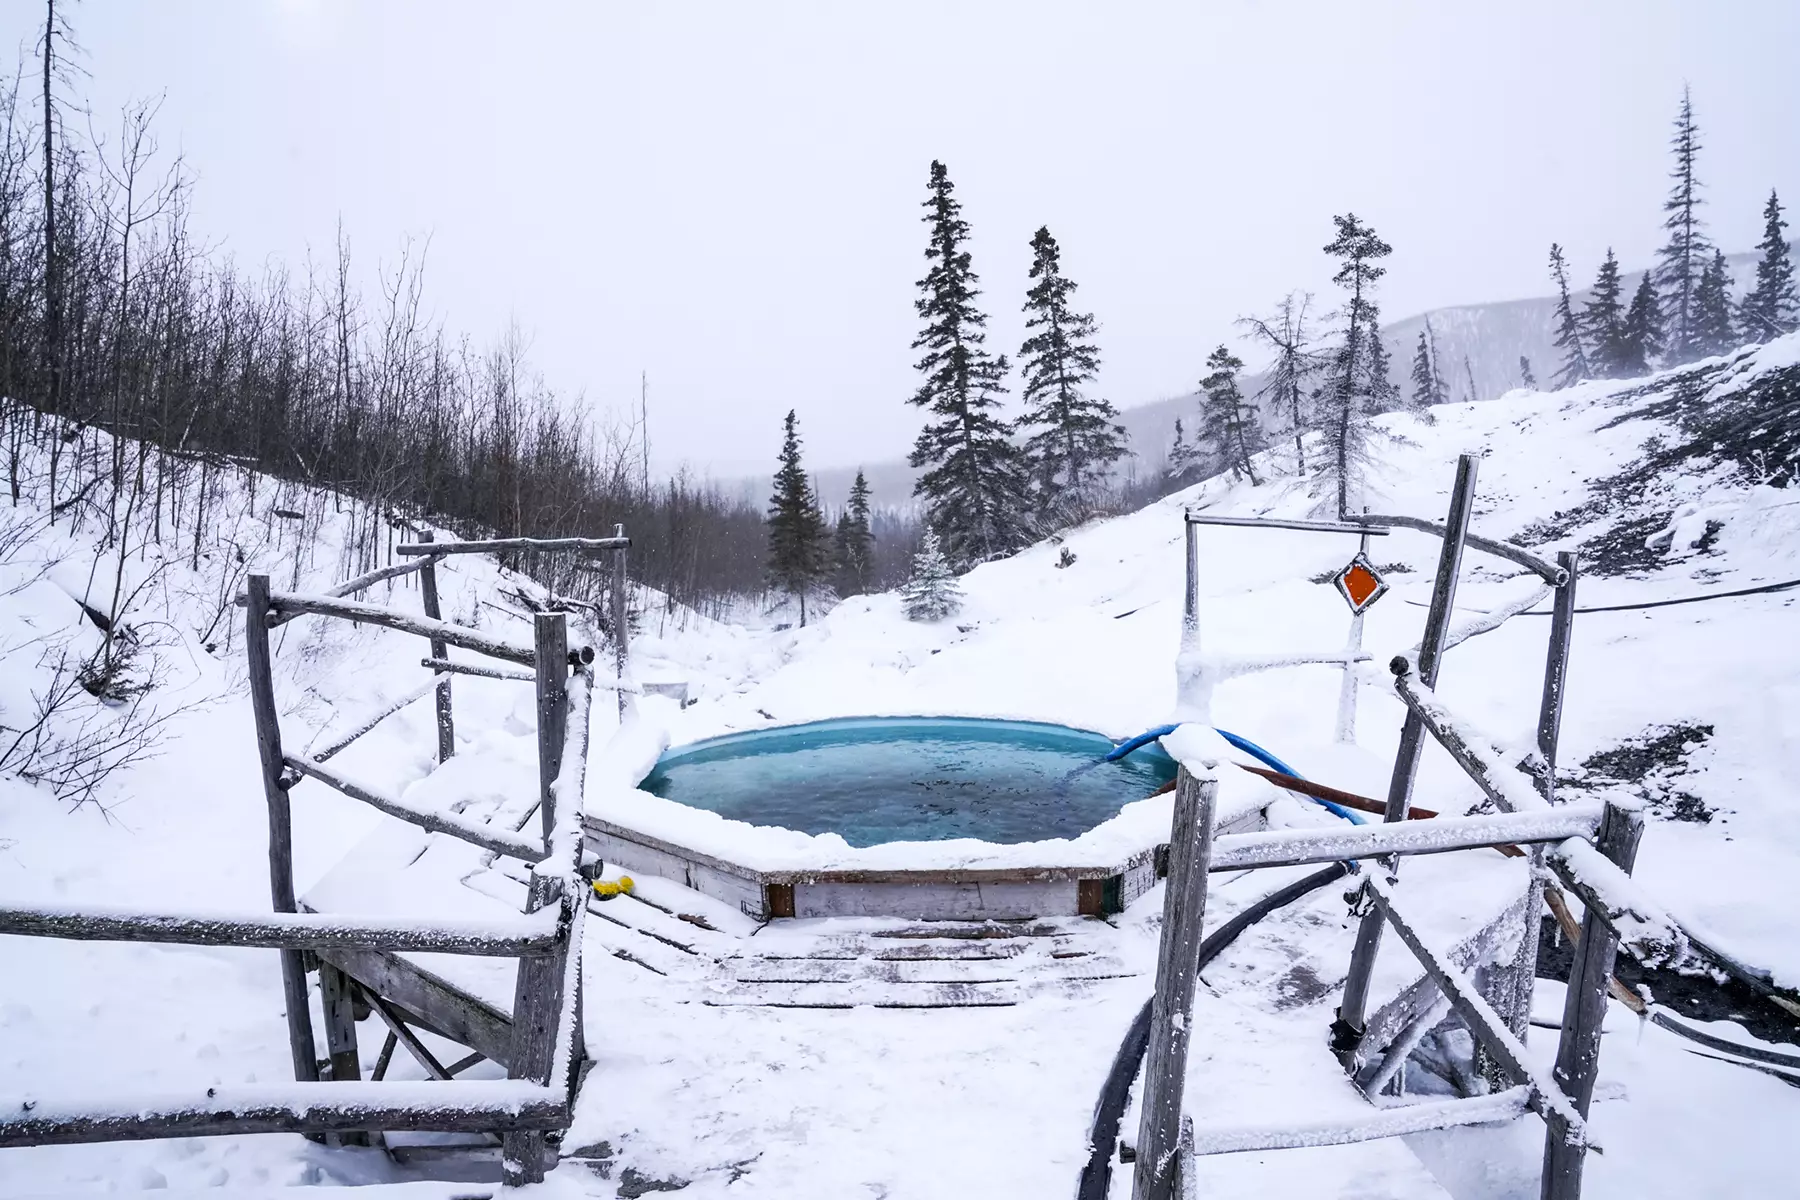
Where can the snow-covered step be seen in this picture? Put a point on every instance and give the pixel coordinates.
(876, 994)
(837, 970)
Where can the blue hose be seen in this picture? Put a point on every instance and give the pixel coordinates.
(1248, 747)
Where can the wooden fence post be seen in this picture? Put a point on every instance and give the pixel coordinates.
(1190, 591)
(1177, 969)
(621, 618)
(446, 728)
(552, 707)
(537, 999)
(1584, 1009)
(1352, 1013)
(281, 834)
(1523, 969)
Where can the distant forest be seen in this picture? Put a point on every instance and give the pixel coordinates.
(115, 316)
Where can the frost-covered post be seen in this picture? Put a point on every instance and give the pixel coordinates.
(621, 618)
(281, 833)
(1177, 969)
(534, 1002)
(552, 708)
(1346, 710)
(1556, 673)
(446, 729)
(1584, 1008)
(1348, 1029)
(1190, 592)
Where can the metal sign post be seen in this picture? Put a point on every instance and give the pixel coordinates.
(1361, 585)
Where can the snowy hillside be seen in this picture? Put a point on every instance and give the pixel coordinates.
(1668, 486)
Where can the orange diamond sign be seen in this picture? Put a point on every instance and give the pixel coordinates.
(1360, 584)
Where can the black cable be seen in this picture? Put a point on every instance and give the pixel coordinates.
(1096, 1176)
(1600, 608)
(1790, 1061)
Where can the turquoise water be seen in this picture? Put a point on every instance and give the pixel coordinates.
(888, 779)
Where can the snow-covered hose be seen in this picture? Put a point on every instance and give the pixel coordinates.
(1248, 747)
(1109, 1111)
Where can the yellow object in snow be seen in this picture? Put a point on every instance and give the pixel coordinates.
(606, 889)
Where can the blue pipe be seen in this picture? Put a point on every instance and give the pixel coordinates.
(1248, 747)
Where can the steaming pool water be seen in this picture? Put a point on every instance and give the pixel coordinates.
(888, 779)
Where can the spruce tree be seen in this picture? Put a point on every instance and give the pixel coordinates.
(975, 484)
(1427, 383)
(931, 593)
(1684, 258)
(1642, 344)
(854, 544)
(1527, 380)
(1575, 367)
(1287, 336)
(1226, 422)
(1603, 320)
(1384, 393)
(1772, 307)
(1714, 332)
(1353, 386)
(1077, 439)
(1184, 458)
(796, 559)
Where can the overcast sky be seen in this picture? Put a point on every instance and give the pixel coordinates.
(727, 195)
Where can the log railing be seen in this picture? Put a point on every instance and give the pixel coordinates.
(546, 939)
(1167, 1144)
(1590, 846)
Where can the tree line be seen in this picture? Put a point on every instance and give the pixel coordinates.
(1682, 308)
(115, 317)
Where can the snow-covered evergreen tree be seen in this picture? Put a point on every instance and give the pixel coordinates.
(1427, 383)
(1076, 439)
(1603, 320)
(1684, 258)
(1384, 393)
(854, 544)
(975, 485)
(1714, 332)
(1184, 459)
(1575, 366)
(1226, 423)
(1642, 343)
(797, 562)
(1527, 379)
(932, 592)
(1353, 386)
(1286, 335)
(1772, 307)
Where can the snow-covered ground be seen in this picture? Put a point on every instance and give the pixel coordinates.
(753, 1101)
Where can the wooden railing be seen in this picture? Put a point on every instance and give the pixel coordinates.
(1553, 836)
(546, 939)
(1561, 1096)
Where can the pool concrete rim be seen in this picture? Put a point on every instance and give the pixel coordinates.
(1063, 881)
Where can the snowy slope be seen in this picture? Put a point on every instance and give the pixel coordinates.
(1091, 645)
(749, 1101)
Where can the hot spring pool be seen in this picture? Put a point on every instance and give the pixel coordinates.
(890, 779)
